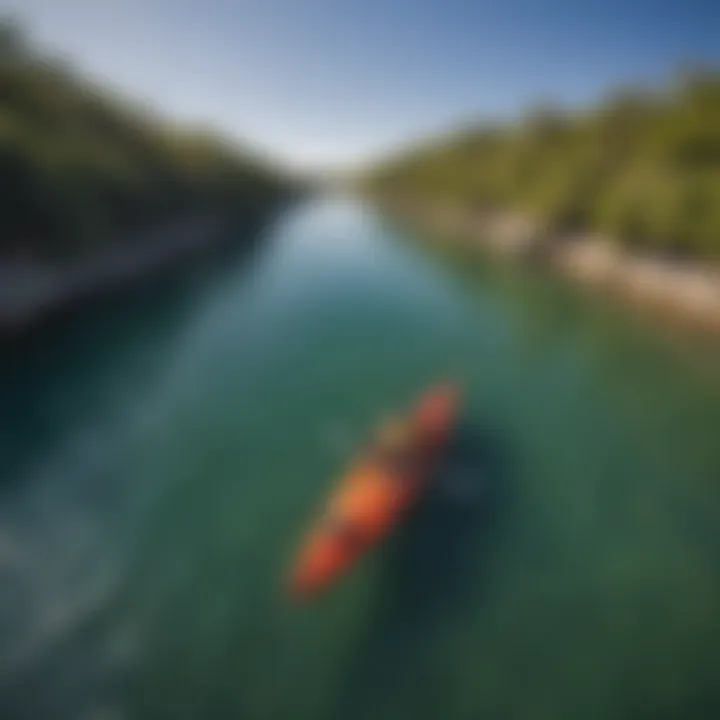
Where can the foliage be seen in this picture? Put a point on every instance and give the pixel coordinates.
(79, 167)
(642, 166)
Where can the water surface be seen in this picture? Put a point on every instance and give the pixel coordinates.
(163, 456)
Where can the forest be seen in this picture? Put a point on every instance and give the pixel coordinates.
(82, 168)
(642, 167)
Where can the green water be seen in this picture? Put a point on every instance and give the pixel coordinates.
(162, 458)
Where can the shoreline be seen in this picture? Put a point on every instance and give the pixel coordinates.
(689, 290)
(34, 293)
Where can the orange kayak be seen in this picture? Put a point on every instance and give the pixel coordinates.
(373, 497)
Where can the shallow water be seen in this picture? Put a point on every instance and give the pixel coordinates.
(163, 456)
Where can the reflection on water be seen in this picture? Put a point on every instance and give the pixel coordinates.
(163, 456)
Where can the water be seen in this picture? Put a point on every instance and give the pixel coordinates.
(162, 458)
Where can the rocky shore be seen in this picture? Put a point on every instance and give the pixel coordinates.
(33, 291)
(688, 289)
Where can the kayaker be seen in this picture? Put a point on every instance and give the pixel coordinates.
(397, 446)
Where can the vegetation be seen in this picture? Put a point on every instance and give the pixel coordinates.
(643, 167)
(79, 168)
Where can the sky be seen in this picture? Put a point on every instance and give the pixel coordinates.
(329, 83)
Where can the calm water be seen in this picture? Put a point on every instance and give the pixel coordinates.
(161, 460)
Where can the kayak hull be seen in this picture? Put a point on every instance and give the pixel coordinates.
(372, 499)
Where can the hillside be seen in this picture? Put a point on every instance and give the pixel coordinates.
(81, 170)
(642, 167)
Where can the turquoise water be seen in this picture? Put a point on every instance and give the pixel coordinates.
(163, 457)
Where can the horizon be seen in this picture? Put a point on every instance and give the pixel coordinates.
(324, 86)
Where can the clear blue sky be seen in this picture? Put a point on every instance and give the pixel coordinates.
(327, 82)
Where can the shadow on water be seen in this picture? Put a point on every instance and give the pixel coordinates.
(430, 574)
(102, 340)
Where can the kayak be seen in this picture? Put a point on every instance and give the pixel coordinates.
(372, 498)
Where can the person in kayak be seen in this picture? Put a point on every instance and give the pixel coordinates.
(397, 452)
(397, 448)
